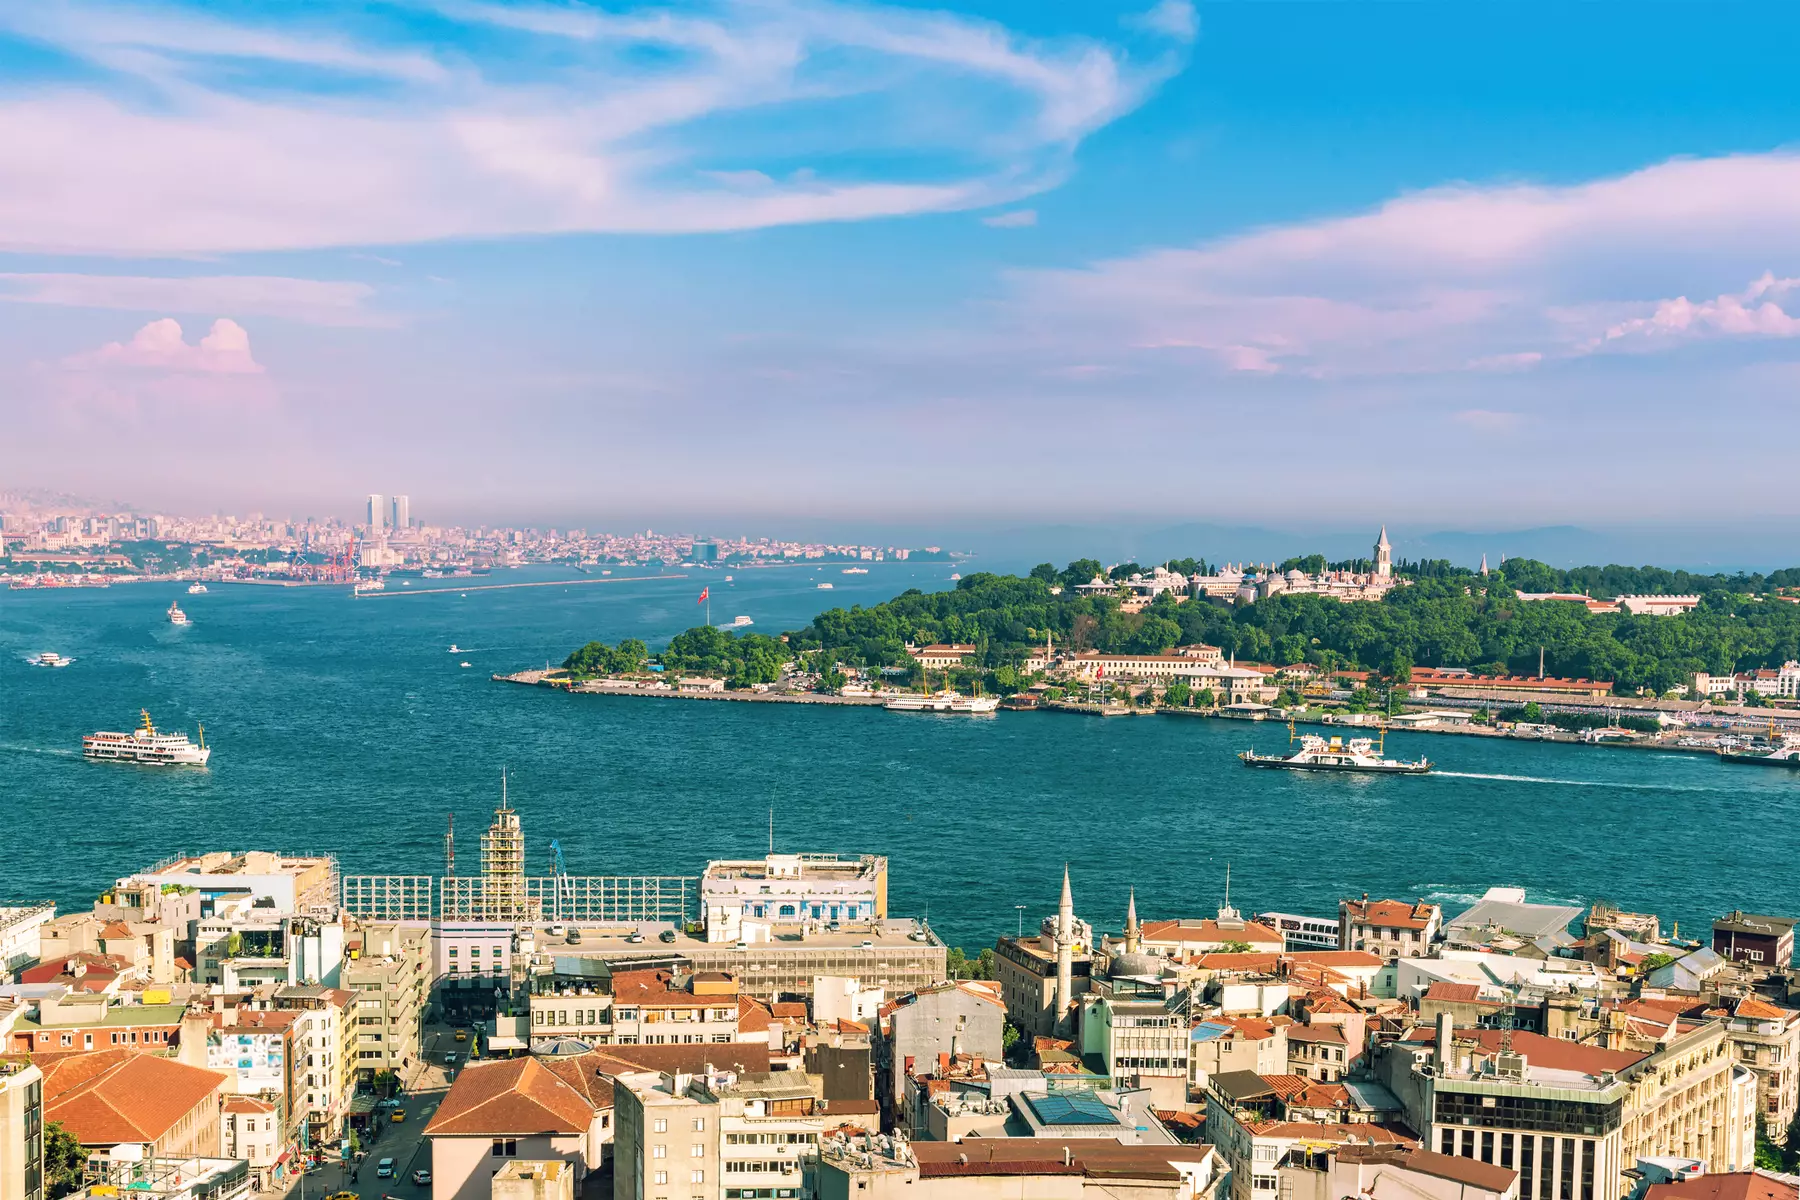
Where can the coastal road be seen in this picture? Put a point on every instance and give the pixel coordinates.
(424, 1087)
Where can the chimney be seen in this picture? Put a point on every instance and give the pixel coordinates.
(1446, 1032)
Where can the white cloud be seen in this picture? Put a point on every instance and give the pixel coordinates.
(315, 301)
(1018, 218)
(588, 120)
(1173, 18)
(160, 346)
(1750, 313)
(1451, 279)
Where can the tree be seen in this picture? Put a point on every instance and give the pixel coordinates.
(1178, 694)
(1532, 712)
(64, 1159)
(1045, 572)
(1654, 962)
(1235, 948)
(386, 1082)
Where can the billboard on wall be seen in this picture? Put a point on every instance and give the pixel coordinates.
(256, 1061)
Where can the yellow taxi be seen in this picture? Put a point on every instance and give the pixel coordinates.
(462, 1035)
(399, 1115)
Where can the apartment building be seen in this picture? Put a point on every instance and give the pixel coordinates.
(21, 1131)
(252, 1130)
(656, 1008)
(716, 1135)
(1142, 1036)
(68, 1020)
(1570, 1118)
(1390, 928)
(1217, 1045)
(390, 974)
(932, 1024)
(1766, 1040)
(1755, 939)
(20, 936)
(244, 946)
(322, 1072)
(285, 883)
(1025, 969)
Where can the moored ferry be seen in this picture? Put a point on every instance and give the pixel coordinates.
(1779, 750)
(945, 701)
(1335, 754)
(147, 745)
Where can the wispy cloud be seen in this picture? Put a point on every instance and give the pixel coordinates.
(1456, 278)
(1487, 420)
(1018, 218)
(315, 301)
(1173, 18)
(542, 119)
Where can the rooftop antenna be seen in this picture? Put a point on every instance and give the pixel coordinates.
(1226, 912)
(771, 829)
(450, 847)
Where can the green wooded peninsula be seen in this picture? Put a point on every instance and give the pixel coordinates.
(1446, 616)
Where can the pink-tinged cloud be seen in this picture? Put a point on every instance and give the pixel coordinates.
(593, 120)
(1750, 313)
(1453, 279)
(160, 346)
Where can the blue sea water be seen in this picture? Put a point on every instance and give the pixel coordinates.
(348, 727)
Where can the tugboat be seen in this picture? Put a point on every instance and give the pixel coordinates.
(147, 746)
(176, 616)
(1320, 754)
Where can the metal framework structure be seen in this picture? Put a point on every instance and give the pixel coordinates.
(602, 899)
(391, 897)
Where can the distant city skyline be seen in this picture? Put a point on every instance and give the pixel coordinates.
(855, 261)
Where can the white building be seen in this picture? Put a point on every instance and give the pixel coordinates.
(1658, 606)
(792, 889)
(20, 936)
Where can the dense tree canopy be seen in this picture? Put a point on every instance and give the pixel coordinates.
(1446, 617)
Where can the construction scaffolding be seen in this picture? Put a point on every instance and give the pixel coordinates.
(502, 894)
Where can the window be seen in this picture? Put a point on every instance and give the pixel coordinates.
(696, 1150)
(696, 1176)
(659, 1150)
(699, 1126)
(661, 1177)
(506, 1148)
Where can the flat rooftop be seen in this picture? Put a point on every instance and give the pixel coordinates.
(797, 868)
(647, 941)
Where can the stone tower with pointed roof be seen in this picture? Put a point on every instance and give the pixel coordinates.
(1384, 556)
(1132, 930)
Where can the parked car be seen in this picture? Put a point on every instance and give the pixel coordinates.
(449, 1058)
(421, 1176)
(667, 935)
(384, 1169)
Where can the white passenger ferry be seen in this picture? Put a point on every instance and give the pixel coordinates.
(196, 589)
(1335, 754)
(147, 745)
(945, 701)
(49, 658)
(176, 616)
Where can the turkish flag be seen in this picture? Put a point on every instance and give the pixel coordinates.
(703, 594)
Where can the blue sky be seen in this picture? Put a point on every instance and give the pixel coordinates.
(1277, 262)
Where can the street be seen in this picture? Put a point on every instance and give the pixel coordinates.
(424, 1086)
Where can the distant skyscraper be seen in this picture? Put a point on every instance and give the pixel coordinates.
(402, 513)
(377, 516)
(706, 552)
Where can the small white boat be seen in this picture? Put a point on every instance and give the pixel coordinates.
(464, 663)
(49, 658)
(609, 573)
(1359, 754)
(196, 589)
(856, 570)
(954, 575)
(728, 579)
(739, 622)
(824, 587)
(176, 616)
(453, 648)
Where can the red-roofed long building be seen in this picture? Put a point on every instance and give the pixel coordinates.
(1390, 928)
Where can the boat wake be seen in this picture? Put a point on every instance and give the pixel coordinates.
(1601, 783)
(47, 750)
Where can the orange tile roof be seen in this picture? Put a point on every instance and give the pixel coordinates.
(1761, 1010)
(513, 1096)
(248, 1106)
(111, 1096)
(1555, 1053)
(1250, 933)
(654, 989)
(1389, 914)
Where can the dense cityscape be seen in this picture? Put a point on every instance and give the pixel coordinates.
(56, 541)
(235, 1020)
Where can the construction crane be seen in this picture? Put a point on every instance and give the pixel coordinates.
(559, 871)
